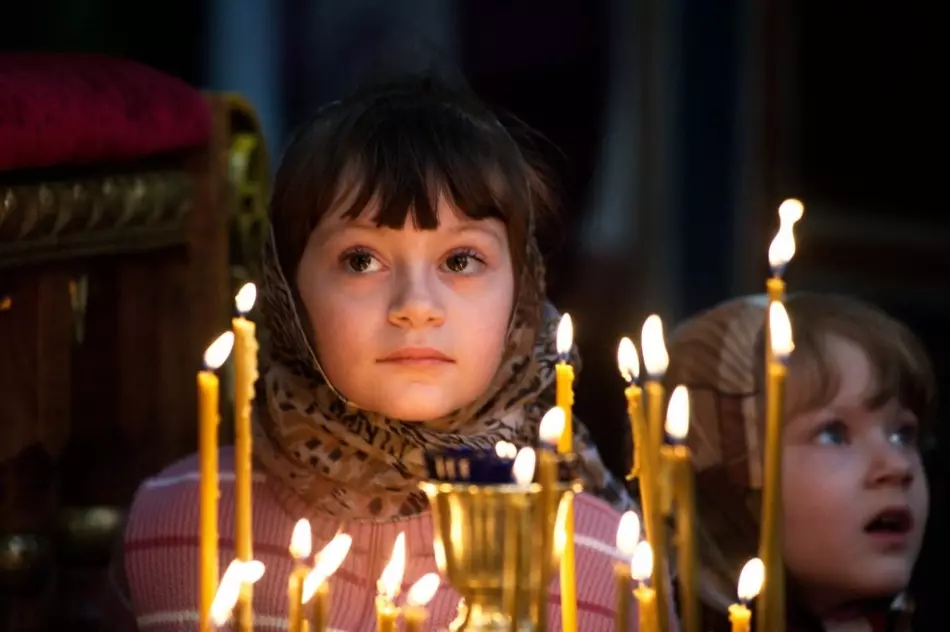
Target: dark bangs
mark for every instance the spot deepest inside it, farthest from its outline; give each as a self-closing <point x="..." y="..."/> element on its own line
<point x="900" y="366"/>
<point x="398" y="147"/>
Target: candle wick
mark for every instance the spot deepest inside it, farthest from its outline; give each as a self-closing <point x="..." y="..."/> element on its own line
<point x="778" y="271"/>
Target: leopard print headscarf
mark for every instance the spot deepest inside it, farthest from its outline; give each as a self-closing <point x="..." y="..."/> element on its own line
<point x="358" y="465"/>
<point x="716" y="354"/>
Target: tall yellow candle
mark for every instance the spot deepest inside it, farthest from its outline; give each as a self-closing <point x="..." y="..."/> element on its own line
<point x="245" y="374"/>
<point x="750" y="582"/>
<point x="316" y="585"/>
<point x="677" y="455"/>
<point x="550" y="431"/>
<point x="641" y="566"/>
<point x="656" y="360"/>
<point x="781" y="251"/>
<point x="300" y="546"/>
<point x="629" y="364"/>
<point x="771" y="607"/>
<point x="628" y="534"/>
<point x="390" y="581"/>
<point x="565" y="400"/>
<point x="208" y="419"/>
<point x="420" y="594"/>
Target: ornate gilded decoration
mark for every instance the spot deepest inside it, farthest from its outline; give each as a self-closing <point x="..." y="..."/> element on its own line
<point x="73" y="217"/>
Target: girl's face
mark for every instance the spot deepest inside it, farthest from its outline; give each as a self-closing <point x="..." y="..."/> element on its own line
<point x="855" y="495"/>
<point x="408" y="323"/>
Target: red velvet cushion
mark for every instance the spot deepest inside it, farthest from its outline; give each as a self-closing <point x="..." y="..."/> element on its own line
<point x="81" y="109"/>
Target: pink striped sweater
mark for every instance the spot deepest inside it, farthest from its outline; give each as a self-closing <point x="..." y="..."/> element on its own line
<point x="160" y="557"/>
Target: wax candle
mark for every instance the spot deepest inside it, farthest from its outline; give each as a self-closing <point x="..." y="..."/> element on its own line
<point x="750" y="582"/>
<point x="416" y="601"/>
<point x="245" y="374"/>
<point x="641" y="567"/>
<point x="781" y="251"/>
<point x="628" y="534"/>
<point x="208" y="419"/>
<point x="390" y="581"/>
<point x="652" y="490"/>
<point x="565" y="401"/>
<point x="300" y="545"/>
<point x="522" y="472"/>
<point x="629" y="364"/>
<point x="316" y="585"/>
<point x="678" y="457"/>
<point x="771" y="607"/>
<point x="549" y="432"/>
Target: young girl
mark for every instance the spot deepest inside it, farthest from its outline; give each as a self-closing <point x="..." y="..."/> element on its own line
<point x="859" y="388"/>
<point x="404" y="301"/>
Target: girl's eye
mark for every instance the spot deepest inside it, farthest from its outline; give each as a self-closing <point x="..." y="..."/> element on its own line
<point x="463" y="262"/>
<point x="833" y="432"/>
<point x="360" y="261"/>
<point x="905" y="434"/>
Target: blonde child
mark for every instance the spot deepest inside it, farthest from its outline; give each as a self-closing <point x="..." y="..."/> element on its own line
<point x="859" y="389"/>
<point x="404" y="310"/>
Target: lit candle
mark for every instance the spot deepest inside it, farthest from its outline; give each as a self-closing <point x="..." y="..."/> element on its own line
<point x="750" y="582"/>
<point x="641" y="566"/>
<point x="771" y="607"/>
<point x="388" y="587"/>
<point x="652" y="490"/>
<point x="522" y="471"/>
<point x="237" y="574"/>
<point x="208" y="419"/>
<point x="565" y="401"/>
<point x="418" y="598"/>
<point x="549" y="433"/>
<point x="245" y="374"/>
<point x="628" y="534"/>
<point x="300" y="545"/>
<point x="677" y="455"/>
<point x="316" y="585"/>
<point x="629" y="364"/>
<point x="781" y="251"/>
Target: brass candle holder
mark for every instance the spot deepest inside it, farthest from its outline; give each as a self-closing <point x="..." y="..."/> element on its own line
<point x="496" y="545"/>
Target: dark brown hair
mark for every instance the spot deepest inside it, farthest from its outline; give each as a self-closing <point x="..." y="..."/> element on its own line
<point x="400" y="145"/>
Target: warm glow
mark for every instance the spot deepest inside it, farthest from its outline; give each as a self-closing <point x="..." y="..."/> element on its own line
<point x="390" y="580"/>
<point x="790" y="211"/>
<point x="677" y="414"/>
<point x="560" y="525"/>
<point x="655" y="357"/>
<point x="627" y="360"/>
<point x="552" y="426"/>
<point x="505" y="450"/>
<point x="244" y="301"/>
<point x="422" y="592"/>
<point x="750" y="579"/>
<point x="301" y="542"/>
<point x="523" y="468"/>
<point x="328" y="561"/>
<point x="782" y="248"/>
<point x="565" y="335"/>
<point x="229" y="589"/>
<point x="641" y="566"/>
<point x="628" y="534"/>
<point x="780" y="331"/>
<point x="218" y="352"/>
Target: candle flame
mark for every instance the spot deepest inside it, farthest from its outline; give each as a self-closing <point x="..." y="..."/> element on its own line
<point x="750" y="579"/>
<point x="560" y="525"/>
<point x="641" y="565"/>
<point x="565" y="335"/>
<point x="655" y="358"/>
<point x="422" y="592"/>
<point x="782" y="248"/>
<point x="218" y="351"/>
<point x="390" y="580"/>
<point x="780" y="331"/>
<point x="229" y="589"/>
<point x="790" y="211"/>
<point x="301" y="542"/>
<point x="628" y="534"/>
<point x="552" y="426"/>
<point x="328" y="561"/>
<point x="245" y="298"/>
<point x="505" y="450"/>
<point x="677" y="414"/>
<point x="627" y="360"/>
<point x="523" y="468"/>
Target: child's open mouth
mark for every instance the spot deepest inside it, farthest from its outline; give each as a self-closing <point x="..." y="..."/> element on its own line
<point x="891" y="526"/>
